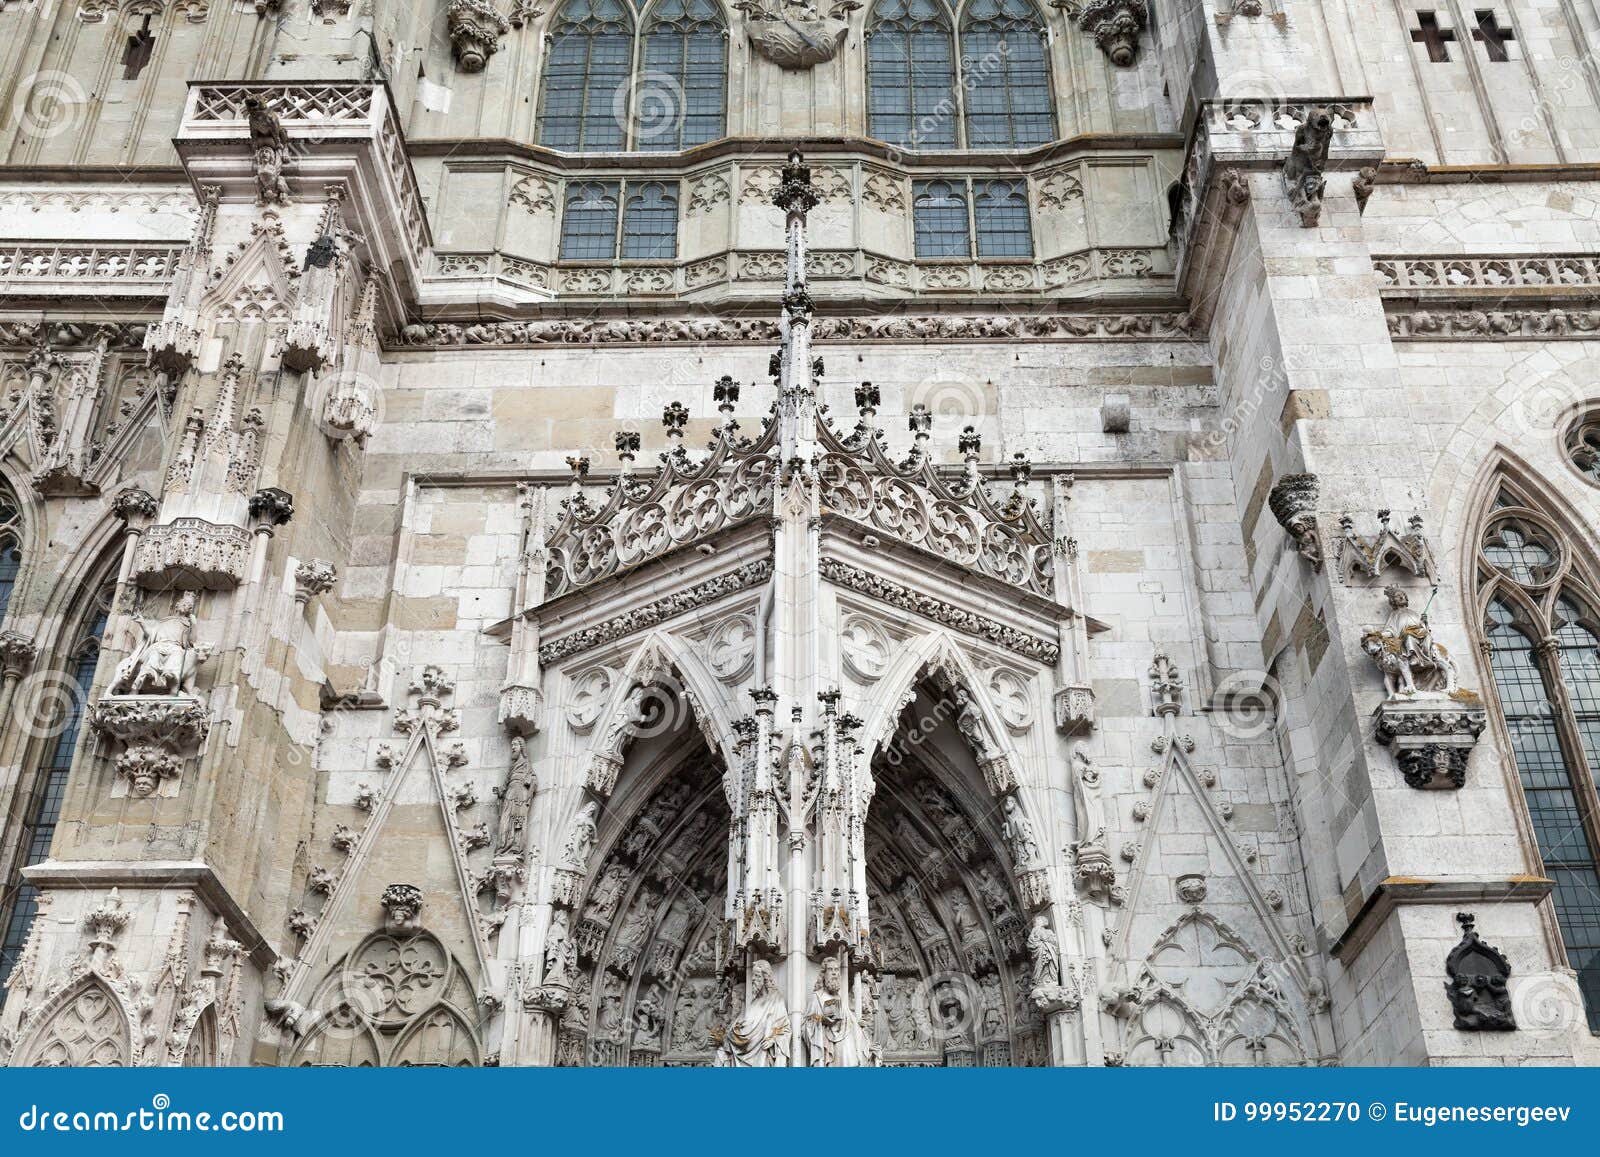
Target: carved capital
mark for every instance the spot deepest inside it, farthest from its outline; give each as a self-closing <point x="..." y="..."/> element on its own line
<point x="312" y="578"/>
<point x="270" y="507"/>
<point x="135" y="506"/>
<point x="17" y="653"/>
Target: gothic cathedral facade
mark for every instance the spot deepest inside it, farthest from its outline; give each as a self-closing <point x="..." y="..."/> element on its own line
<point x="912" y="532"/>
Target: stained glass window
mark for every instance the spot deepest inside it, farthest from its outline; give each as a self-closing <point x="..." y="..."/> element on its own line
<point x="681" y="98"/>
<point x="584" y="105"/>
<point x="911" y="75"/>
<point x="1005" y="76"/>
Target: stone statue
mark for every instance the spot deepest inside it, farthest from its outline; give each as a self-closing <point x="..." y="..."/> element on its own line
<point x="759" y="1039"/>
<point x="560" y="954"/>
<point x="1406" y="652"/>
<point x="165" y="659"/>
<point x="1045" y="952"/>
<point x="1019" y="834"/>
<point x="511" y="838"/>
<point x="582" y="837"/>
<point x="917" y="912"/>
<point x="833" y="1033"/>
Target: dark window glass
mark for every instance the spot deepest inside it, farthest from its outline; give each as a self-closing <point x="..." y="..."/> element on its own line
<point x="1005" y="76"/>
<point x="19" y="904"/>
<point x="1546" y="772"/>
<point x="939" y="214"/>
<point x="10" y="547"/>
<point x="584" y="106"/>
<point x="1000" y="212"/>
<point x="911" y="75"/>
<point x="589" y="222"/>
<point x="681" y="98"/>
<point x="650" y="225"/>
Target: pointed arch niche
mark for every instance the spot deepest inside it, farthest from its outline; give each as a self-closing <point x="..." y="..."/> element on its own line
<point x="1538" y="610"/>
<point x="633" y="954"/>
<point x="948" y="917"/>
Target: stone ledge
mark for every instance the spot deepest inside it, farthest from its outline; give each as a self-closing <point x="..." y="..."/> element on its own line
<point x="1396" y="891"/>
<point x="154" y="875"/>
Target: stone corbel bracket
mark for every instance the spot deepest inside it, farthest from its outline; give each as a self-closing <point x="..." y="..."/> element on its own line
<point x="344" y="133"/>
<point x="1232" y="139"/>
<point x="1293" y="502"/>
<point x="1114" y="24"/>
<point x="476" y="28"/>
<point x="157" y="734"/>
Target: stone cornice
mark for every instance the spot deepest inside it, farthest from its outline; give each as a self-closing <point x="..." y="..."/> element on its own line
<point x="147" y="875"/>
<point x="819" y="149"/>
<point x="1454" y="891"/>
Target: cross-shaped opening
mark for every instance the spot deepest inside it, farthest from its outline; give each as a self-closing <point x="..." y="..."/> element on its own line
<point x="1437" y="39"/>
<point x="1492" y="36"/>
<point x="141" y="46"/>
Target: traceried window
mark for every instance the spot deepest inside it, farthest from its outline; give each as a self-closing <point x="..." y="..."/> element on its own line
<point x="10" y="546"/>
<point x="639" y="219"/>
<point x="589" y="221"/>
<point x="948" y="216"/>
<point x="42" y="801"/>
<point x="939" y="213"/>
<point x="650" y="222"/>
<point x="681" y="98"/>
<point x="911" y="75"/>
<point x="1000" y="217"/>
<point x="1543" y="635"/>
<point x="1005" y="76"/>
<point x="1582" y="443"/>
<point x="584" y="105"/>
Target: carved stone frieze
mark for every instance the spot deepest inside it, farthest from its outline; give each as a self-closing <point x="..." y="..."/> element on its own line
<point x="939" y="611"/>
<point x="1154" y="326"/>
<point x="650" y="614"/>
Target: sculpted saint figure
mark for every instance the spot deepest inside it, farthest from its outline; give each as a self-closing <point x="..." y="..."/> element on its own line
<point x="1018" y="831"/>
<point x="1045" y="950"/>
<point x="581" y="838"/>
<point x="512" y="838"/>
<point x="833" y="1033"/>
<point x="165" y="659"/>
<point x="760" y="1038"/>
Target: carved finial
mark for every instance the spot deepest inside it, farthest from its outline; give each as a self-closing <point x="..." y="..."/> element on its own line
<point x="795" y="192"/>
<point x="726" y="395"/>
<point x="868" y="399"/>
<point x="627" y="442"/>
<point x="579" y="467"/>
<point x="674" y="417"/>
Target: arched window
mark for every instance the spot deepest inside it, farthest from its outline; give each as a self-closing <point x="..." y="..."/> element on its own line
<point x="1005" y="76"/>
<point x="10" y="546"/>
<point x="681" y="99"/>
<point x="41" y="801"/>
<point x="584" y="106"/>
<point x="650" y="225"/>
<point x="1543" y="636"/>
<point x="911" y="75"/>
